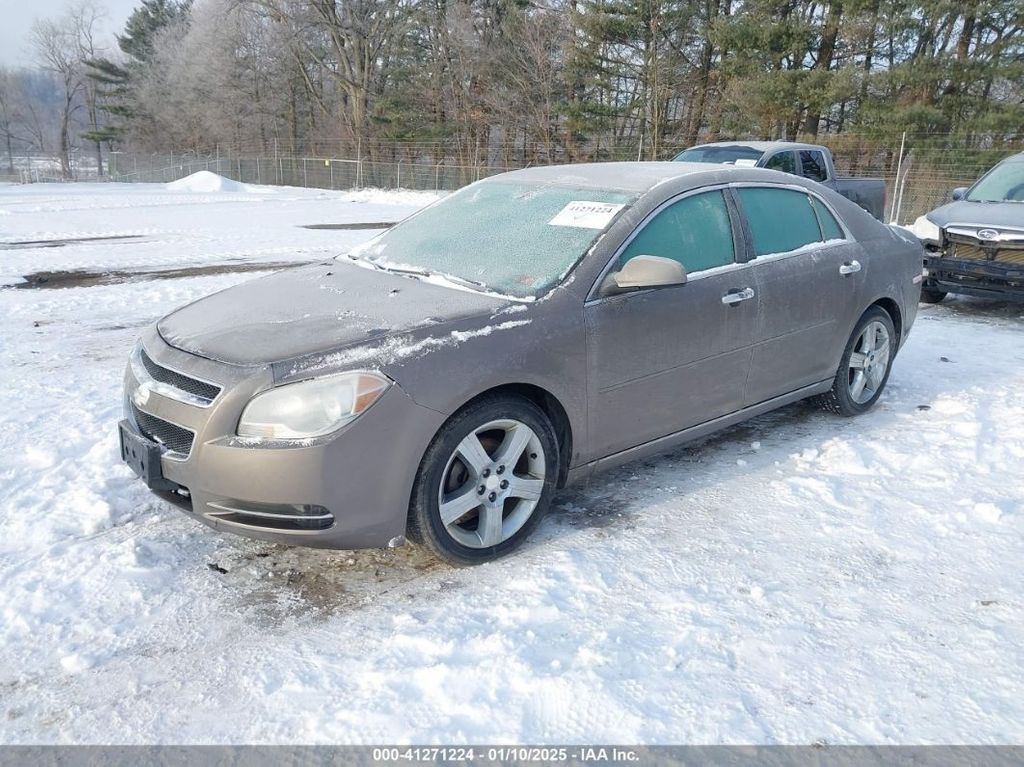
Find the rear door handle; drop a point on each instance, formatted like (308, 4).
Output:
(736, 296)
(850, 267)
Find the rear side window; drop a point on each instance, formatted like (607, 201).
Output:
(830, 229)
(783, 161)
(695, 231)
(780, 220)
(813, 164)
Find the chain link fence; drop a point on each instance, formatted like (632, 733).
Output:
(918, 177)
(312, 172)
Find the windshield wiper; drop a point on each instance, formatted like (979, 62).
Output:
(412, 271)
(464, 281)
(409, 271)
(421, 273)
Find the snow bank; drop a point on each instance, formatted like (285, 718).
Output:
(204, 181)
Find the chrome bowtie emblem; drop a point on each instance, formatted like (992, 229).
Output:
(988, 234)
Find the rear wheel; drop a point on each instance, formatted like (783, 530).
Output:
(932, 295)
(485, 481)
(864, 368)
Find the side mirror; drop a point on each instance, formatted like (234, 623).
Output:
(645, 272)
(959, 193)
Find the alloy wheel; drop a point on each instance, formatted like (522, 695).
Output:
(869, 362)
(492, 483)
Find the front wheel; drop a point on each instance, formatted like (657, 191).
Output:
(932, 295)
(864, 368)
(485, 482)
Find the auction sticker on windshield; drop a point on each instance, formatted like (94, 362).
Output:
(586, 215)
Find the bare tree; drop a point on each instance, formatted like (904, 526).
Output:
(62, 46)
(84, 17)
(56, 46)
(8, 116)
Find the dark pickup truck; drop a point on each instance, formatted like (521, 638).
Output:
(975, 244)
(807, 160)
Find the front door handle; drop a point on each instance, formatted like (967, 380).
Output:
(736, 296)
(850, 267)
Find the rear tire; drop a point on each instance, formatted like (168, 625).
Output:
(485, 482)
(864, 367)
(932, 295)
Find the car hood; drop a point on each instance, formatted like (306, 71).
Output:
(994, 214)
(308, 310)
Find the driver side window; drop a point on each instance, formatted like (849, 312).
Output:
(695, 231)
(784, 161)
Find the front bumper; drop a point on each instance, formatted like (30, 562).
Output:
(988, 279)
(348, 490)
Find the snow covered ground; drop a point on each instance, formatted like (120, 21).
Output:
(801, 578)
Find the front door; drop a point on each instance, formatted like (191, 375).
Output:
(661, 360)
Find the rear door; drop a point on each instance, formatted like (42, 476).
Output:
(809, 279)
(665, 359)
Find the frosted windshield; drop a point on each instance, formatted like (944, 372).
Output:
(512, 238)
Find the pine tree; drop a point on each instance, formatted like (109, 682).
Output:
(146, 22)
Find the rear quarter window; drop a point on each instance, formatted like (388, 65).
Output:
(830, 229)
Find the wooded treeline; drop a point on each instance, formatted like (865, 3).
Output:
(524, 81)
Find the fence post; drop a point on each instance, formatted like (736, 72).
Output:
(398, 175)
(896, 184)
(331, 163)
(305, 177)
(259, 180)
(437, 178)
(899, 199)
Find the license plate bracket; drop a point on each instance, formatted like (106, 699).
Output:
(143, 457)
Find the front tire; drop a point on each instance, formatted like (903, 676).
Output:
(864, 367)
(486, 481)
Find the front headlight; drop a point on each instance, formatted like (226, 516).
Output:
(925, 229)
(311, 408)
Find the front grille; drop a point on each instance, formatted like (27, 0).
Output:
(964, 251)
(201, 389)
(175, 438)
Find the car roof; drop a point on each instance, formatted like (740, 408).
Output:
(619, 176)
(763, 146)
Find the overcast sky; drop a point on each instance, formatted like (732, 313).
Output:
(16, 17)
